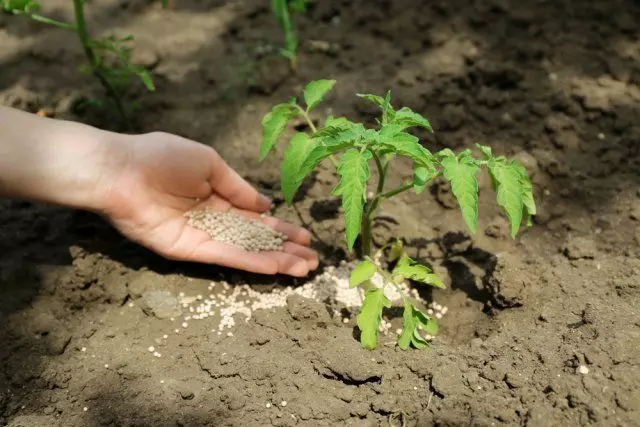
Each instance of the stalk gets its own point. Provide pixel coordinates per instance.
(81, 28)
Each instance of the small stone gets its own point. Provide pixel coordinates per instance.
(160, 304)
(582, 369)
(579, 248)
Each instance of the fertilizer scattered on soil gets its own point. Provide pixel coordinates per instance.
(233, 304)
(233, 229)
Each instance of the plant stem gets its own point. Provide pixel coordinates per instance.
(396, 191)
(366, 236)
(81, 29)
(49, 21)
(307, 119)
(381, 173)
(313, 128)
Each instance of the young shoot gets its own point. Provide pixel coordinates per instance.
(108, 58)
(284, 11)
(354, 150)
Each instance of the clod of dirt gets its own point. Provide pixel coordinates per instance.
(579, 248)
(235, 230)
(161, 304)
(143, 281)
(300, 307)
(634, 212)
(507, 284)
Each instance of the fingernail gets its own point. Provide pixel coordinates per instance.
(266, 200)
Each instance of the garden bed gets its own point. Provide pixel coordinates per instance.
(538, 331)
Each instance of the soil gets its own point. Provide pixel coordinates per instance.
(556, 84)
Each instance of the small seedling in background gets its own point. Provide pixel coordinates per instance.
(359, 147)
(284, 11)
(109, 58)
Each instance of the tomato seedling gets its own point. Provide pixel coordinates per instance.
(109, 58)
(284, 11)
(358, 147)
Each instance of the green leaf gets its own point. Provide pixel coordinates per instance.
(527, 194)
(507, 182)
(378, 100)
(354, 174)
(396, 251)
(315, 91)
(273, 124)
(317, 155)
(408, 118)
(341, 132)
(388, 114)
(391, 137)
(462, 173)
(414, 321)
(338, 122)
(409, 269)
(431, 327)
(370, 316)
(363, 272)
(514, 191)
(421, 176)
(145, 76)
(294, 156)
(298, 5)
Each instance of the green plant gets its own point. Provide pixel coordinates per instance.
(283, 11)
(109, 58)
(360, 146)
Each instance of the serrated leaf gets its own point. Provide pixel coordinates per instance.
(409, 269)
(340, 132)
(315, 91)
(431, 327)
(317, 155)
(527, 194)
(388, 114)
(510, 195)
(406, 118)
(486, 151)
(337, 122)
(370, 316)
(363, 272)
(462, 173)
(378, 100)
(294, 156)
(354, 174)
(421, 176)
(396, 251)
(273, 124)
(415, 320)
(145, 76)
(405, 144)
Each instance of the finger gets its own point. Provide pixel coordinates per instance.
(228, 184)
(289, 264)
(293, 232)
(303, 252)
(212, 252)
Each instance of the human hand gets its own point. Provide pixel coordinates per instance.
(153, 179)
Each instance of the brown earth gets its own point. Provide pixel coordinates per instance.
(555, 83)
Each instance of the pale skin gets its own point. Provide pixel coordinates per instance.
(143, 185)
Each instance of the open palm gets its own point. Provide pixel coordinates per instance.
(161, 176)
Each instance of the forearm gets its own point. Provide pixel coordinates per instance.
(51, 161)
